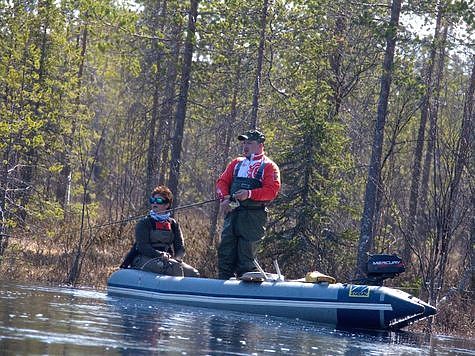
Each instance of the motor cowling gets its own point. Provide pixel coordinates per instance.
(383, 266)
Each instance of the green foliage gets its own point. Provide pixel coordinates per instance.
(465, 10)
(46, 211)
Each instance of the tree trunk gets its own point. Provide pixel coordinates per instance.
(260, 59)
(463, 153)
(74, 271)
(174, 176)
(225, 151)
(466, 146)
(366, 233)
(166, 113)
(424, 221)
(63, 192)
(470, 271)
(3, 200)
(471, 246)
(433, 113)
(442, 199)
(28, 172)
(416, 166)
(152, 177)
(335, 60)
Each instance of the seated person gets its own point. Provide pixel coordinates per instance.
(159, 245)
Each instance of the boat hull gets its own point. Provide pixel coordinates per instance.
(338, 305)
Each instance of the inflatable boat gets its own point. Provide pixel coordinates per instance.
(343, 306)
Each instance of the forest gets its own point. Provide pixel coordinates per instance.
(367, 107)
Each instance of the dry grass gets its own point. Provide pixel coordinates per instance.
(47, 259)
(456, 317)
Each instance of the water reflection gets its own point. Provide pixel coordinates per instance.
(37, 320)
(162, 326)
(146, 327)
(229, 337)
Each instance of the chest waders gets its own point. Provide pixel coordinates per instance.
(161, 238)
(248, 184)
(242, 229)
(248, 204)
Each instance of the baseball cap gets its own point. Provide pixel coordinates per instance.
(252, 135)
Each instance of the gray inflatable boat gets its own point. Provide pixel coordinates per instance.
(344, 306)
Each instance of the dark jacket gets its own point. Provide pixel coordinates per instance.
(153, 239)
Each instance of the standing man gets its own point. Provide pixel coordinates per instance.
(252, 181)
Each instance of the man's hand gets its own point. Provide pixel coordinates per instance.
(242, 194)
(224, 205)
(165, 256)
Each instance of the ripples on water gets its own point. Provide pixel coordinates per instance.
(37, 320)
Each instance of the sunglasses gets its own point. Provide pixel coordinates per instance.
(158, 200)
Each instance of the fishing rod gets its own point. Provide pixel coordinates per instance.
(132, 218)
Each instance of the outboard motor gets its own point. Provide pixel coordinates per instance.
(381, 267)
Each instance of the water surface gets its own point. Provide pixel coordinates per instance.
(39, 320)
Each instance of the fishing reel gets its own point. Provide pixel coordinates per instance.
(234, 203)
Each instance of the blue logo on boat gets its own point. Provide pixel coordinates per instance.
(359, 291)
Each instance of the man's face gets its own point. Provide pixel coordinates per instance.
(251, 147)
